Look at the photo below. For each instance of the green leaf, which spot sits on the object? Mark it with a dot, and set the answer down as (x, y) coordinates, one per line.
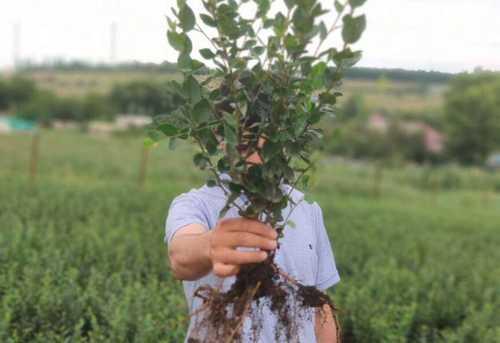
(192, 89)
(201, 160)
(208, 20)
(290, 3)
(184, 62)
(171, 24)
(208, 139)
(292, 44)
(353, 28)
(303, 22)
(305, 181)
(280, 25)
(339, 6)
(263, 7)
(291, 224)
(229, 134)
(223, 165)
(356, 3)
(207, 54)
(202, 111)
(270, 149)
(149, 142)
(168, 130)
(258, 50)
(226, 20)
(186, 18)
(180, 42)
(317, 75)
(249, 44)
(347, 58)
(211, 182)
(323, 31)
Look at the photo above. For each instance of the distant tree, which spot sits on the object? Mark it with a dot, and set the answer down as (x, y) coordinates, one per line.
(46, 107)
(472, 114)
(40, 108)
(4, 96)
(20, 90)
(96, 106)
(353, 108)
(145, 97)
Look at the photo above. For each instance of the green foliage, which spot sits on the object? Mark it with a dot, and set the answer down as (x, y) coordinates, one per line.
(21, 90)
(16, 91)
(355, 139)
(145, 97)
(81, 260)
(4, 95)
(270, 92)
(354, 108)
(46, 107)
(473, 117)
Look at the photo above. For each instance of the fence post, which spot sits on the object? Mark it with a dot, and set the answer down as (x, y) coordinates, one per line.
(144, 166)
(35, 147)
(378, 178)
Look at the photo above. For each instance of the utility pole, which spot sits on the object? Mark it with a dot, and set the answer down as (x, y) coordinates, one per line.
(112, 42)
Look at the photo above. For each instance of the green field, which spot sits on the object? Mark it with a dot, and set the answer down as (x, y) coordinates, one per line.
(82, 257)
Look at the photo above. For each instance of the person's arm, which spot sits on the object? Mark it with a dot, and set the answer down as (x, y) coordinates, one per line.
(194, 251)
(189, 253)
(325, 323)
(325, 326)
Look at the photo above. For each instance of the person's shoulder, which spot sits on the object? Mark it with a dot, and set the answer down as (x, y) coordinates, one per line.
(201, 194)
(299, 199)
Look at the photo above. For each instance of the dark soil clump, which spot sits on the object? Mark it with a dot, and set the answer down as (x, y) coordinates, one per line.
(221, 317)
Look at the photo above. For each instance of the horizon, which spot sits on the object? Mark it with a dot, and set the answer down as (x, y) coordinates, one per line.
(52, 64)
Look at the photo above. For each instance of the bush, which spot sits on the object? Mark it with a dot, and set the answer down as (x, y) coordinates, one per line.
(473, 117)
(46, 107)
(145, 97)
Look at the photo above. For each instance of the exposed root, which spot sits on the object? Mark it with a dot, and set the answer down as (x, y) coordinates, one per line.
(222, 316)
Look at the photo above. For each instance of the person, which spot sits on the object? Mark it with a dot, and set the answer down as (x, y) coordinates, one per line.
(206, 250)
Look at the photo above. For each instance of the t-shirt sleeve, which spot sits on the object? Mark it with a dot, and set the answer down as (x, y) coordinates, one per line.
(327, 275)
(184, 210)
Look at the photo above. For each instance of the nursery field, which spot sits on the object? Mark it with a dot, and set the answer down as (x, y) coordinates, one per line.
(82, 257)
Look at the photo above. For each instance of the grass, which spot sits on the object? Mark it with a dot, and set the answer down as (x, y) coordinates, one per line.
(82, 257)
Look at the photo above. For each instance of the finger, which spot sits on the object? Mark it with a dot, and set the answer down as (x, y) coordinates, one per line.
(230, 256)
(252, 226)
(225, 270)
(250, 240)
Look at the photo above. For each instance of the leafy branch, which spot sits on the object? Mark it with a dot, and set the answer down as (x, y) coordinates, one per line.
(271, 105)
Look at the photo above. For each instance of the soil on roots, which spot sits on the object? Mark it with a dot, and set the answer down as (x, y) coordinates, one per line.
(221, 317)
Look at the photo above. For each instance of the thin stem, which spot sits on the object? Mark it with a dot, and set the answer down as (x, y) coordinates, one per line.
(200, 29)
(213, 169)
(332, 28)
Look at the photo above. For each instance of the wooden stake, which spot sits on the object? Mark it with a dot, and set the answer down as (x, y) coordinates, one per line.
(144, 166)
(35, 147)
(378, 178)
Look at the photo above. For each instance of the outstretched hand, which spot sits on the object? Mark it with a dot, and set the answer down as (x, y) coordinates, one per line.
(232, 233)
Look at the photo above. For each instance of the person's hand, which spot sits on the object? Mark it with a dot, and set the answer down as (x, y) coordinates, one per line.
(239, 232)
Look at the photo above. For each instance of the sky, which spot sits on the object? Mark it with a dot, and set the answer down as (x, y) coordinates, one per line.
(444, 35)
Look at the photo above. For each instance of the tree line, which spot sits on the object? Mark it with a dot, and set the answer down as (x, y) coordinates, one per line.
(22, 97)
(364, 73)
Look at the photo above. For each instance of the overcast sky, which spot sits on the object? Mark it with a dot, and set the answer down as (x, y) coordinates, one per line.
(446, 35)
